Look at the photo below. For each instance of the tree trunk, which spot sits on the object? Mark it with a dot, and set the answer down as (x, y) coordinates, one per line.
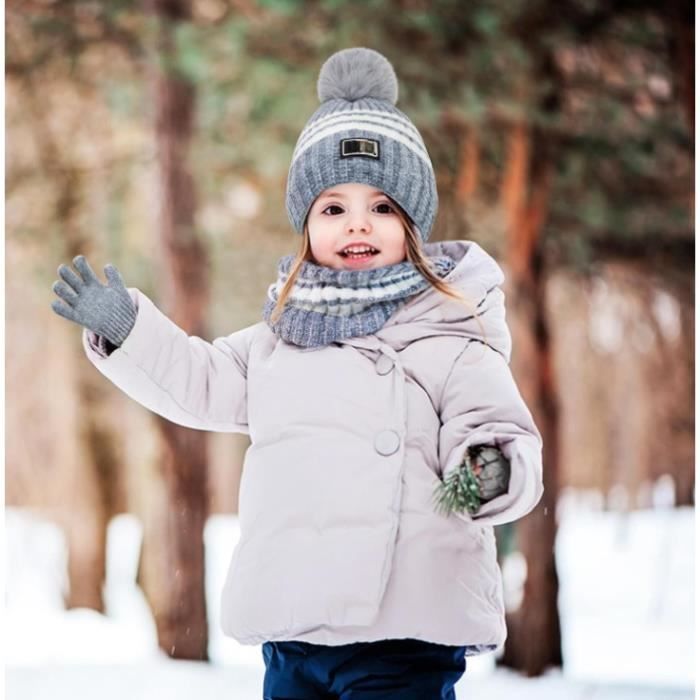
(468, 170)
(681, 25)
(683, 422)
(174, 547)
(93, 498)
(680, 22)
(534, 635)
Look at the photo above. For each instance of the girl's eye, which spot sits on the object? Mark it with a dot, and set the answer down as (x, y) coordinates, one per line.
(388, 209)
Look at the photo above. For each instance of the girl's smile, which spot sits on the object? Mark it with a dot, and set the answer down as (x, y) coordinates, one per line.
(358, 253)
(355, 226)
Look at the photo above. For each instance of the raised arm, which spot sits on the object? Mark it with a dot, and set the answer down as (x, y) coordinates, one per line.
(183, 378)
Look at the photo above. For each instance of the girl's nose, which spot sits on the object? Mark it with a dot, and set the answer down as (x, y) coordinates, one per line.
(358, 223)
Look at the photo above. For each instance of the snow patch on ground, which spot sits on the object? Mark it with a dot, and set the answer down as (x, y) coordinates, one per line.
(626, 604)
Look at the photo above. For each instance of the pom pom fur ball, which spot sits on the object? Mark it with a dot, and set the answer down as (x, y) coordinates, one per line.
(352, 74)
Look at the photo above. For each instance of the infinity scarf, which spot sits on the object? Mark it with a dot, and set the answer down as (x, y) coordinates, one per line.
(327, 305)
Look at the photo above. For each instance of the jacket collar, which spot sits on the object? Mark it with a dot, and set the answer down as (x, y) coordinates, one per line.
(478, 277)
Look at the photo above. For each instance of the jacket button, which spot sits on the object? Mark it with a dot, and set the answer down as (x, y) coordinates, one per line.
(384, 364)
(387, 442)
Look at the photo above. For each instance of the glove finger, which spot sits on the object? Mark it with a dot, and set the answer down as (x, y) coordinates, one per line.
(114, 278)
(66, 292)
(65, 311)
(83, 267)
(66, 274)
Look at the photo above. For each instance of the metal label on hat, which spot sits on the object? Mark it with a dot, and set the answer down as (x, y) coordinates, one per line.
(359, 147)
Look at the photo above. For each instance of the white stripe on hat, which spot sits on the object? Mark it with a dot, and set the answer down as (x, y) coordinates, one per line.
(368, 125)
(388, 118)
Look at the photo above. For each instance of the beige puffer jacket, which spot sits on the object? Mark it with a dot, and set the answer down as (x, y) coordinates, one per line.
(340, 540)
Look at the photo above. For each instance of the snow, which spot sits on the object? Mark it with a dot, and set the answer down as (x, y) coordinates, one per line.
(631, 581)
(183, 680)
(626, 604)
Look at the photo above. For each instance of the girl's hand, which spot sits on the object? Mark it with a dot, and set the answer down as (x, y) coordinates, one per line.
(483, 474)
(491, 469)
(104, 309)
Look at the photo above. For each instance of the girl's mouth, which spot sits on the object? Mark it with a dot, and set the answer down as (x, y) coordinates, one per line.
(359, 254)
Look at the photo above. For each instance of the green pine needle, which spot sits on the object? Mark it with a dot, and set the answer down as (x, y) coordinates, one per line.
(459, 492)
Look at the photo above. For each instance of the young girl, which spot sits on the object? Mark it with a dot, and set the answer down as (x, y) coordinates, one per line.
(378, 374)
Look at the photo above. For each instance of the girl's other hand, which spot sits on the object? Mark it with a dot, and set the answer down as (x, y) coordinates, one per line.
(105, 309)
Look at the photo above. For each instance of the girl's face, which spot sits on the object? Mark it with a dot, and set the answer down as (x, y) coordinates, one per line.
(357, 214)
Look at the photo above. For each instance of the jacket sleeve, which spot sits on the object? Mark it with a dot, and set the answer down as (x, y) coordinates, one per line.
(183, 378)
(481, 405)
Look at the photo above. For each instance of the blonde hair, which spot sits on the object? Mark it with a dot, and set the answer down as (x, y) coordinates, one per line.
(414, 253)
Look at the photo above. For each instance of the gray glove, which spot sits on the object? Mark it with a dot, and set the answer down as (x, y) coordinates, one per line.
(104, 309)
(483, 474)
(492, 470)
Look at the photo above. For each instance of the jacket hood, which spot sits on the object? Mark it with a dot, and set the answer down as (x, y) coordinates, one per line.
(478, 277)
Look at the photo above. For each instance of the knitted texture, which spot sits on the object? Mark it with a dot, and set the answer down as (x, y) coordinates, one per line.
(359, 135)
(326, 304)
(104, 309)
(492, 470)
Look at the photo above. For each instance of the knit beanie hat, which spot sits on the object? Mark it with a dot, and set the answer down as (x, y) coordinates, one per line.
(358, 135)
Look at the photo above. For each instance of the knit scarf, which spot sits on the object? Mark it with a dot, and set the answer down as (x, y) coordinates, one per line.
(327, 305)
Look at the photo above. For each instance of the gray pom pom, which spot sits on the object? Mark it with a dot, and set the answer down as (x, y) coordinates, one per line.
(352, 74)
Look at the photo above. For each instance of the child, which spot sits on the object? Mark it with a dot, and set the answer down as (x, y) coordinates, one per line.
(381, 366)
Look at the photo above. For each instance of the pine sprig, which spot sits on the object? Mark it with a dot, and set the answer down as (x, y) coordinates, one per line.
(459, 491)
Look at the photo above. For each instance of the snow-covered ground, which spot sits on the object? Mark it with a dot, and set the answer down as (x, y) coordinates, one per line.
(627, 604)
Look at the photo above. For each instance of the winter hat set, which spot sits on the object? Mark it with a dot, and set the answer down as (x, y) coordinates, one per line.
(356, 135)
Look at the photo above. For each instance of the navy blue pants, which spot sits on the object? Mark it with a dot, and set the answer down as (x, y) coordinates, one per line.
(400, 669)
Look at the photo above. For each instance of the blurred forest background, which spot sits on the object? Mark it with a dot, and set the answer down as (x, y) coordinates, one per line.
(157, 136)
